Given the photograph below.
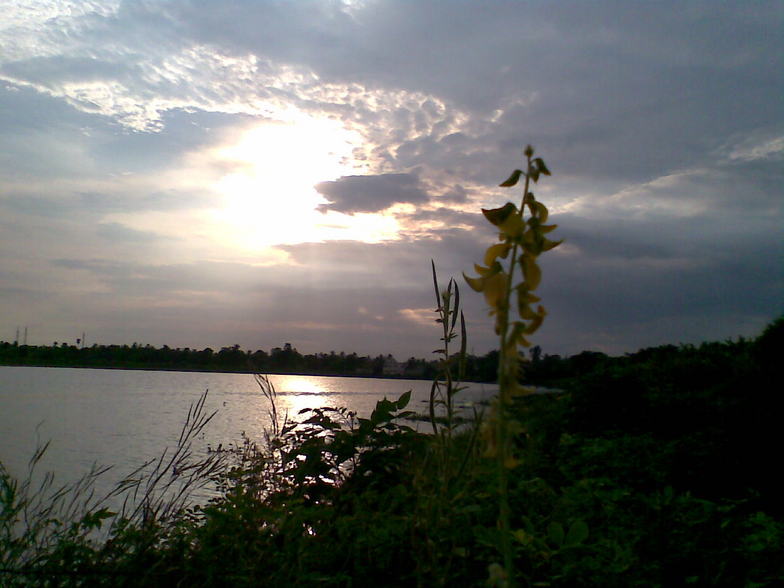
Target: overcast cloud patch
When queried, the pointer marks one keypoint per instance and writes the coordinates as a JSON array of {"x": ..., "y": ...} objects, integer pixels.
[{"x": 351, "y": 194}]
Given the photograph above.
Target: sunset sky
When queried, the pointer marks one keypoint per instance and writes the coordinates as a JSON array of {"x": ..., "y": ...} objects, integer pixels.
[{"x": 205, "y": 173}]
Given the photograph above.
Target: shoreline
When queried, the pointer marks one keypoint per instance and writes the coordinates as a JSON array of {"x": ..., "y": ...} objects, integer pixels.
[{"x": 216, "y": 371}]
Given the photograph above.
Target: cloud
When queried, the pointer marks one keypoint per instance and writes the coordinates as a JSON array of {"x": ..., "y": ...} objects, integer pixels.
[
  {"x": 422, "y": 316},
  {"x": 117, "y": 231},
  {"x": 753, "y": 149},
  {"x": 661, "y": 123},
  {"x": 350, "y": 194},
  {"x": 457, "y": 194}
]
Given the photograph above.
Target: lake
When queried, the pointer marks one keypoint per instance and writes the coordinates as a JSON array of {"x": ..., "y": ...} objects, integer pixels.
[{"x": 125, "y": 417}]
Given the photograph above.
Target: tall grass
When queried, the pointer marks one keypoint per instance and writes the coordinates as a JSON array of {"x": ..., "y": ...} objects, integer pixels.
[{"x": 51, "y": 532}]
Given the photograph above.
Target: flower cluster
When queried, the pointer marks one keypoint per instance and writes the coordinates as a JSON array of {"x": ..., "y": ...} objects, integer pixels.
[{"x": 525, "y": 240}]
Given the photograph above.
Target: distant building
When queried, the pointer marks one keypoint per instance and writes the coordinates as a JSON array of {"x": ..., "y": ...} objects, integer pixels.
[{"x": 393, "y": 367}]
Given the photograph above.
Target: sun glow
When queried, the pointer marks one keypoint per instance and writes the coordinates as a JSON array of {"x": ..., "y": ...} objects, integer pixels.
[
  {"x": 295, "y": 393},
  {"x": 270, "y": 198}
]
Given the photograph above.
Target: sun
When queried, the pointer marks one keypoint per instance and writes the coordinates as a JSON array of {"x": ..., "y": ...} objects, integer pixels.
[{"x": 271, "y": 199}]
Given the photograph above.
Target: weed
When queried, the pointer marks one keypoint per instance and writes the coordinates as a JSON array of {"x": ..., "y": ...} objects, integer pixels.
[
  {"x": 51, "y": 533},
  {"x": 522, "y": 241}
]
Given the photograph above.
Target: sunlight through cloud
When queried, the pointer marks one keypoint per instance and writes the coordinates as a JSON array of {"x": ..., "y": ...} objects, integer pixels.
[{"x": 270, "y": 199}]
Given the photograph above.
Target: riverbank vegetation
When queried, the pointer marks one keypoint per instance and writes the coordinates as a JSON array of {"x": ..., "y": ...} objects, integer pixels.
[
  {"x": 279, "y": 360},
  {"x": 655, "y": 469}
]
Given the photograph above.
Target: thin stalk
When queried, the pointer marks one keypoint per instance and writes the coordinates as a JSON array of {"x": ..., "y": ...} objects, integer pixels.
[
  {"x": 504, "y": 385},
  {"x": 447, "y": 364}
]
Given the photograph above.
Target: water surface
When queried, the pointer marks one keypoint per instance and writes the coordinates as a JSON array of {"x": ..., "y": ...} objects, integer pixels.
[{"x": 125, "y": 417}]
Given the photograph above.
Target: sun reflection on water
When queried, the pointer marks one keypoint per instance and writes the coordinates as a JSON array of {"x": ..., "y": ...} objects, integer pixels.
[
  {"x": 298, "y": 385},
  {"x": 296, "y": 393}
]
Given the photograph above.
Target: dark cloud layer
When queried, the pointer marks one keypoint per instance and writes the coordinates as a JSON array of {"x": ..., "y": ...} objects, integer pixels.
[{"x": 352, "y": 194}]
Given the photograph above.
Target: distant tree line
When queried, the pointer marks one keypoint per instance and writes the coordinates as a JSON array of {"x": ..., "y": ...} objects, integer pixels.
[
  {"x": 557, "y": 371},
  {"x": 284, "y": 359},
  {"x": 541, "y": 368}
]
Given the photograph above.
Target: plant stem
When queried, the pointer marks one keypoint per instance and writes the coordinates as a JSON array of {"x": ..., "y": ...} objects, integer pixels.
[{"x": 507, "y": 371}]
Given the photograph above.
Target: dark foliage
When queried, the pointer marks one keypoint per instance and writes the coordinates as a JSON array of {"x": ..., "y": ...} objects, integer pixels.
[
  {"x": 279, "y": 360},
  {"x": 655, "y": 469}
]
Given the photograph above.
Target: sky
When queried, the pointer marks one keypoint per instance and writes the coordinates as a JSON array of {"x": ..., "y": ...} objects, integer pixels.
[{"x": 210, "y": 173}]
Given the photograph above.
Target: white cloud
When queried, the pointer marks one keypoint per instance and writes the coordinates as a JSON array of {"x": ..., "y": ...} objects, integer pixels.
[
  {"x": 751, "y": 150},
  {"x": 41, "y": 28},
  {"x": 420, "y": 316}
]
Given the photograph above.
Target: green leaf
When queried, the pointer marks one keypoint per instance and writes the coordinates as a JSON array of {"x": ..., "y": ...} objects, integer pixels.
[
  {"x": 495, "y": 289},
  {"x": 668, "y": 494},
  {"x": 457, "y": 303},
  {"x": 486, "y": 272},
  {"x": 524, "y": 310},
  {"x": 541, "y": 211},
  {"x": 529, "y": 242},
  {"x": 497, "y": 216},
  {"x": 531, "y": 271},
  {"x": 578, "y": 532},
  {"x": 517, "y": 331},
  {"x": 536, "y": 322},
  {"x": 512, "y": 227},
  {"x": 517, "y": 337},
  {"x": 95, "y": 520},
  {"x": 402, "y": 402},
  {"x": 494, "y": 251},
  {"x": 104, "y": 513},
  {"x": 476, "y": 284},
  {"x": 512, "y": 179},
  {"x": 382, "y": 412},
  {"x": 555, "y": 533},
  {"x": 542, "y": 167},
  {"x": 435, "y": 284},
  {"x": 432, "y": 405},
  {"x": 527, "y": 296},
  {"x": 463, "y": 346}
]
